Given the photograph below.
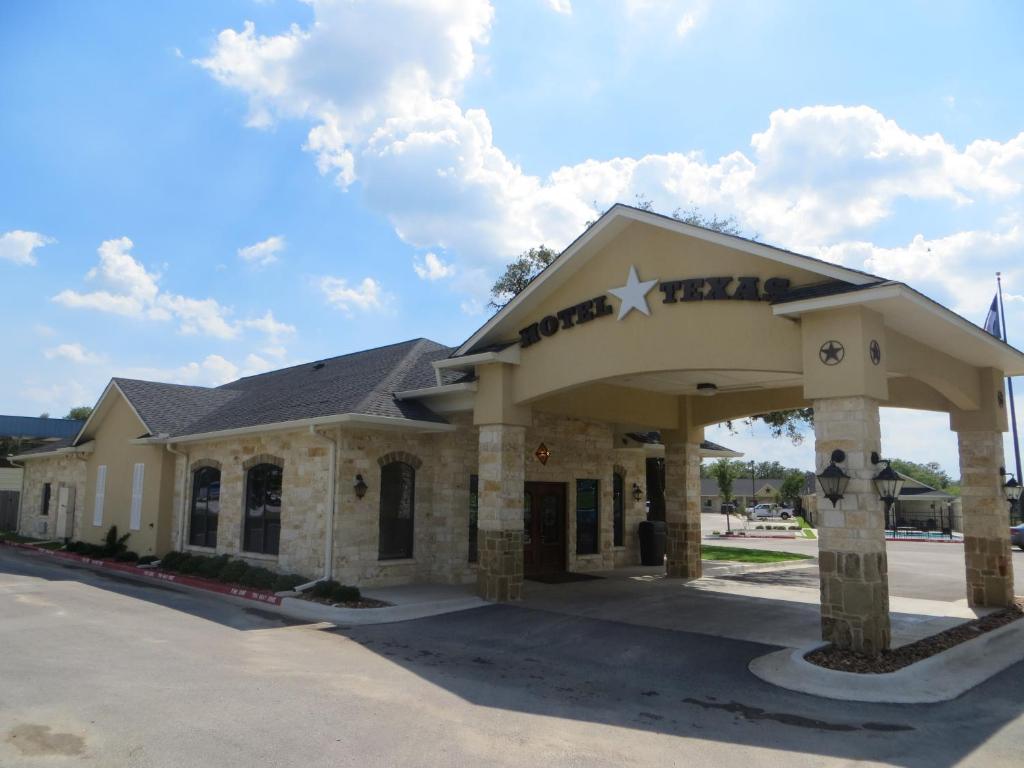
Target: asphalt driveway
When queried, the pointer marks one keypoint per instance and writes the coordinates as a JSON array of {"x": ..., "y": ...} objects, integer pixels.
[{"x": 100, "y": 671}]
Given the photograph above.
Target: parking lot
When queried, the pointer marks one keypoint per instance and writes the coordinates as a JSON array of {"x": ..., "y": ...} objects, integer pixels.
[{"x": 101, "y": 671}]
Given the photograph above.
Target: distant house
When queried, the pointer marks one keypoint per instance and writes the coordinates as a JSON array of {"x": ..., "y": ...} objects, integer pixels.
[
  {"x": 746, "y": 494},
  {"x": 25, "y": 433}
]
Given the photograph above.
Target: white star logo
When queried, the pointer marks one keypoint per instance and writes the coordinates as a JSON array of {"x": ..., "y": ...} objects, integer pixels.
[{"x": 632, "y": 294}]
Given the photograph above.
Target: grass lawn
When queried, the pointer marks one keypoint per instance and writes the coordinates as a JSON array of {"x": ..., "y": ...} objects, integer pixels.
[{"x": 736, "y": 554}]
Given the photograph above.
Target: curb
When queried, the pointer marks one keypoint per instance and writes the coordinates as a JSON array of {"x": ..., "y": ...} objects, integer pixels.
[
  {"x": 292, "y": 607},
  {"x": 151, "y": 574},
  {"x": 728, "y": 568},
  {"x": 941, "y": 677}
]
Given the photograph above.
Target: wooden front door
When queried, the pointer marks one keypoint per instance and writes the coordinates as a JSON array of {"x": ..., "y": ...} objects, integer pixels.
[{"x": 543, "y": 528}]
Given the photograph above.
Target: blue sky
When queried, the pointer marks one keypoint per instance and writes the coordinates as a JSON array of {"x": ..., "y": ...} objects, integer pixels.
[{"x": 196, "y": 191}]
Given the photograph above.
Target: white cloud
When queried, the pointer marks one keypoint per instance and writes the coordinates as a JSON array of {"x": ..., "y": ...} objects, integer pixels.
[
  {"x": 19, "y": 246},
  {"x": 367, "y": 296},
  {"x": 44, "y": 330},
  {"x": 264, "y": 252},
  {"x": 561, "y": 6},
  {"x": 74, "y": 352},
  {"x": 274, "y": 330},
  {"x": 58, "y": 399},
  {"x": 686, "y": 24},
  {"x": 130, "y": 290},
  {"x": 430, "y": 267}
]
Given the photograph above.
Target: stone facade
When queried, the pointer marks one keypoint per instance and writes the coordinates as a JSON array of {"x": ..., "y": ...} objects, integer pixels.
[
  {"x": 67, "y": 470},
  {"x": 852, "y": 560},
  {"x": 682, "y": 505},
  {"x": 986, "y": 533},
  {"x": 444, "y": 463},
  {"x": 584, "y": 449},
  {"x": 502, "y": 474}
]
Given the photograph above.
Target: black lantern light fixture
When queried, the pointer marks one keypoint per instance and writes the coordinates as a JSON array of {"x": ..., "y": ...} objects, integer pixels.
[
  {"x": 638, "y": 492},
  {"x": 1011, "y": 488},
  {"x": 888, "y": 482},
  {"x": 360, "y": 486},
  {"x": 832, "y": 479}
]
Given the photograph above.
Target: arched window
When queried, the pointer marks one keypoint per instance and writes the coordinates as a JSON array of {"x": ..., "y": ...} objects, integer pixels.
[
  {"x": 202, "y": 531},
  {"x": 397, "y": 510},
  {"x": 262, "y": 509}
]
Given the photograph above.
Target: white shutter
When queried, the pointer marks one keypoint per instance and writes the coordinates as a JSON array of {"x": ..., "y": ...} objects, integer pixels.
[
  {"x": 101, "y": 491},
  {"x": 137, "y": 478}
]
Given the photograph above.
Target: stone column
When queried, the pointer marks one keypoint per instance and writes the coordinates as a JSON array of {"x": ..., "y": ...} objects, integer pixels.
[
  {"x": 502, "y": 473},
  {"x": 986, "y": 519},
  {"x": 682, "y": 503},
  {"x": 851, "y": 550}
]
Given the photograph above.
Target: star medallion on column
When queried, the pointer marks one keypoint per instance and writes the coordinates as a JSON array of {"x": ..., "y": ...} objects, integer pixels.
[{"x": 632, "y": 294}]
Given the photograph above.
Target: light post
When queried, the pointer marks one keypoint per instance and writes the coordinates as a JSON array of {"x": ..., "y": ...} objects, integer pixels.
[{"x": 753, "y": 491}]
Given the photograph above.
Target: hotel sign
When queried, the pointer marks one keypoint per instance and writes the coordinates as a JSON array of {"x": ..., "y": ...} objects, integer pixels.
[{"x": 633, "y": 295}]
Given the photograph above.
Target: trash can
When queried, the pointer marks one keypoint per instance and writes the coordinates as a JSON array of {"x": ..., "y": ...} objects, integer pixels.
[{"x": 653, "y": 534}]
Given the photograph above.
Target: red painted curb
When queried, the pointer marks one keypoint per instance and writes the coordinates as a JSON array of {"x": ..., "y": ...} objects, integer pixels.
[
  {"x": 152, "y": 573},
  {"x": 927, "y": 541}
]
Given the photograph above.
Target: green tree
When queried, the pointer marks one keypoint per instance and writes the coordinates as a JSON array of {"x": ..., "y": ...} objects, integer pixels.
[
  {"x": 724, "y": 471},
  {"x": 930, "y": 474},
  {"x": 792, "y": 486},
  {"x": 79, "y": 412},
  {"x": 519, "y": 274}
]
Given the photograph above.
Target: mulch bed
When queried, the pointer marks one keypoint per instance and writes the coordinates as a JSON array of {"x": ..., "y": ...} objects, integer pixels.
[
  {"x": 898, "y": 658},
  {"x": 363, "y": 602}
]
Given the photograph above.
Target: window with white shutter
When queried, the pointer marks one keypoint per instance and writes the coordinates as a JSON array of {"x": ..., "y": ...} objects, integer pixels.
[
  {"x": 101, "y": 491},
  {"x": 137, "y": 479}
]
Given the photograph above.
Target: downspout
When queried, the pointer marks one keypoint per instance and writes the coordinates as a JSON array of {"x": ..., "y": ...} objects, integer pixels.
[
  {"x": 21, "y": 493},
  {"x": 332, "y": 503},
  {"x": 184, "y": 488}
]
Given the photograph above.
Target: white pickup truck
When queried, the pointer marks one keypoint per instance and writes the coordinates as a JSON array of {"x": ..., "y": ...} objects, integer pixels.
[{"x": 767, "y": 512}]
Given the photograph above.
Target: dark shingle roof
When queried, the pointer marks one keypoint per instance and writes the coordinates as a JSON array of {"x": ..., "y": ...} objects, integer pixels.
[
  {"x": 167, "y": 409},
  {"x": 819, "y": 290},
  {"x": 358, "y": 383}
]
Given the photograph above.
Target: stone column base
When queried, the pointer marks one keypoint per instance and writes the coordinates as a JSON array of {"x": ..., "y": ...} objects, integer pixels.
[
  {"x": 855, "y": 600},
  {"x": 500, "y": 574},
  {"x": 989, "y": 571},
  {"x": 683, "y": 550}
]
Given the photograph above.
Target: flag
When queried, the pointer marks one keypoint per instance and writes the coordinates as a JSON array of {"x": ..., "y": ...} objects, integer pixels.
[{"x": 992, "y": 319}]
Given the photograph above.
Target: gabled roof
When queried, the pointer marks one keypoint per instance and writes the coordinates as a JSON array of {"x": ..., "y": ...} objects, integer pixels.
[
  {"x": 357, "y": 384},
  {"x": 613, "y": 221}
]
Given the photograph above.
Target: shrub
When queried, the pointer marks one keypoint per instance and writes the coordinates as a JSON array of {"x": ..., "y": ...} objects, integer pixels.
[
  {"x": 758, "y": 527},
  {"x": 288, "y": 581},
  {"x": 190, "y": 563},
  {"x": 170, "y": 560},
  {"x": 234, "y": 571},
  {"x": 113, "y": 545},
  {"x": 345, "y": 594},
  {"x": 211, "y": 567},
  {"x": 127, "y": 556},
  {"x": 258, "y": 578},
  {"x": 324, "y": 589},
  {"x": 180, "y": 564},
  {"x": 147, "y": 559}
]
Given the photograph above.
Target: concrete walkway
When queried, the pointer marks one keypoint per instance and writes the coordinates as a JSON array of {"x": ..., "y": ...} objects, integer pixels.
[
  {"x": 716, "y": 605},
  {"x": 412, "y": 601}
]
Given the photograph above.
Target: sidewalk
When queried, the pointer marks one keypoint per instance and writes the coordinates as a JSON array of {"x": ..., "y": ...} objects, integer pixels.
[{"x": 415, "y": 601}]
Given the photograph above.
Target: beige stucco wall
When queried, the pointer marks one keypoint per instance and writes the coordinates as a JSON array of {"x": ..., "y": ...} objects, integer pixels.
[
  {"x": 112, "y": 431},
  {"x": 57, "y": 470}
]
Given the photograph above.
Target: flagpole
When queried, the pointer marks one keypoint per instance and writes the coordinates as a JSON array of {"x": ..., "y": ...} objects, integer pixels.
[{"x": 1009, "y": 382}]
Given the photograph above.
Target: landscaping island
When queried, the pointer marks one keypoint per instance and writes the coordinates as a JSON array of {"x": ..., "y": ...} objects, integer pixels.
[
  {"x": 898, "y": 658},
  {"x": 742, "y": 555}
]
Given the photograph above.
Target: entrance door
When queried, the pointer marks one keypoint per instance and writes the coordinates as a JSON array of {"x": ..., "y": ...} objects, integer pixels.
[{"x": 543, "y": 529}]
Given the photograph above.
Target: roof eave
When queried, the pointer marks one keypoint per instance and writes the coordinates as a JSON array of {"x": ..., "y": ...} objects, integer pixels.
[{"x": 353, "y": 419}]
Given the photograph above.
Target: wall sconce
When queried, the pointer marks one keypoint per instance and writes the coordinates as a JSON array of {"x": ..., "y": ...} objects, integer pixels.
[
  {"x": 542, "y": 453},
  {"x": 1011, "y": 488},
  {"x": 832, "y": 479},
  {"x": 637, "y": 492},
  {"x": 360, "y": 486}
]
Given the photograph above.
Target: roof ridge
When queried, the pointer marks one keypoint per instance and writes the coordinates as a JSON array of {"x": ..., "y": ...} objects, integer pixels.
[
  {"x": 334, "y": 357},
  {"x": 400, "y": 369}
]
